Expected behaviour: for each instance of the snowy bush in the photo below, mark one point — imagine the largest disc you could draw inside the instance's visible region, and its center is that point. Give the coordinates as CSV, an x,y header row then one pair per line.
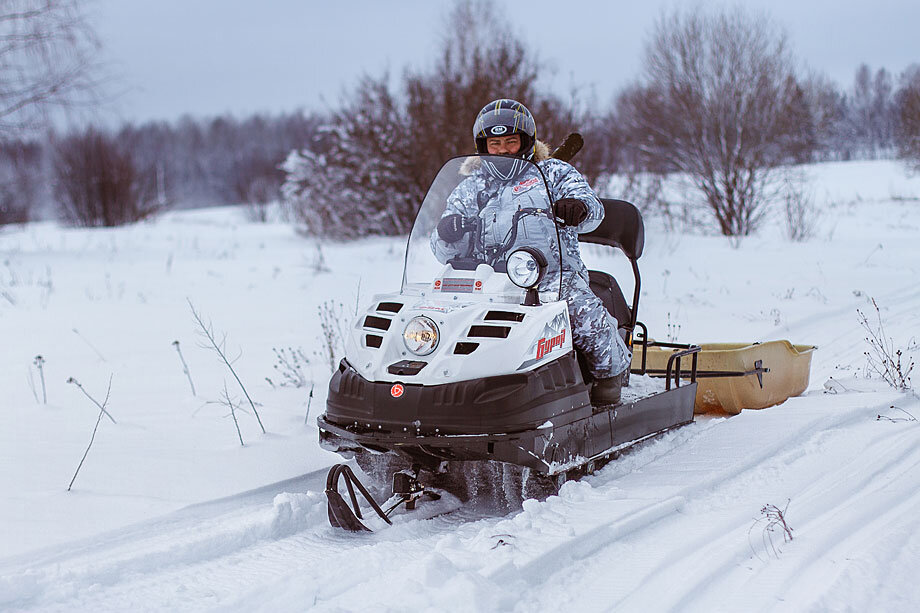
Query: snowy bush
x,y
346,198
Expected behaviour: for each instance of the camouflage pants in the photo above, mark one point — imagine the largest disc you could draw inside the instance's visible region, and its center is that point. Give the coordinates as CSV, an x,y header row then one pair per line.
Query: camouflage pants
x,y
594,331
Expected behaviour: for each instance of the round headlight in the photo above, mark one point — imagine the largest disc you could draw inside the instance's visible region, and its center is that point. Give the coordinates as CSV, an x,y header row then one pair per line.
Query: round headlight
x,y
524,269
421,335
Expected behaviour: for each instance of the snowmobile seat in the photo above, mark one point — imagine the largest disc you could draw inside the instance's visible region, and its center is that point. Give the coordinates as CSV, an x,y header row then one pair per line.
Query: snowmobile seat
x,y
623,229
608,290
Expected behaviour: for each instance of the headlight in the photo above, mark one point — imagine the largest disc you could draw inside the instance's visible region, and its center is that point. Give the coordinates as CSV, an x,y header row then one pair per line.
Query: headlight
x,y
421,335
525,267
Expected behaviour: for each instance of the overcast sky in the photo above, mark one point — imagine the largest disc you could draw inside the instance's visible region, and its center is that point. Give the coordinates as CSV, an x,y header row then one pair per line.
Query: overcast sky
x,y
207,57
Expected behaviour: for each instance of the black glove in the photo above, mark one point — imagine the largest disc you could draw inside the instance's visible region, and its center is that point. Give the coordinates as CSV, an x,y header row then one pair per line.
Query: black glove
x,y
570,211
451,228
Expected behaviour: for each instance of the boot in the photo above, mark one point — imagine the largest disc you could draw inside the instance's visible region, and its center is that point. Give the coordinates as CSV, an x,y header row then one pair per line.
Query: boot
x,y
607,391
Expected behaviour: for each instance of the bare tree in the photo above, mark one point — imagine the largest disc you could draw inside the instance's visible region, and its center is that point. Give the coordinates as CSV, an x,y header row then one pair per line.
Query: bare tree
x,y
47,61
712,104
828,108
20,180
907,101
871,114
97,182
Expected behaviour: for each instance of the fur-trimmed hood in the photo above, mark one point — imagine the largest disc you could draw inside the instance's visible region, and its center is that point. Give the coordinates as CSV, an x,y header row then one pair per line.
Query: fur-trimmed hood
x,y
472,164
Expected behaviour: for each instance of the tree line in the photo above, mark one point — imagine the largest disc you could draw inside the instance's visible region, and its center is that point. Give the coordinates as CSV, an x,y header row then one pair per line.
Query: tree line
x,y
719,101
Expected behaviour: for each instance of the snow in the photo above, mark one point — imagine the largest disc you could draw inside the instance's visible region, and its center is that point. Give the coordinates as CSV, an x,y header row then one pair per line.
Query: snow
x,y
169,511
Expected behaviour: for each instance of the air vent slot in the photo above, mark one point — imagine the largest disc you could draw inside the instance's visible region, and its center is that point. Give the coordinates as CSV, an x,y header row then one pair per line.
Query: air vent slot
x,y
381,323
465,348
390,307
489,331
504,316
372,340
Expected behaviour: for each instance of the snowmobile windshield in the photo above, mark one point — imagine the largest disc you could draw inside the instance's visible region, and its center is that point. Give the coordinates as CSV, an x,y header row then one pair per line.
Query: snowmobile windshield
x,y
473,227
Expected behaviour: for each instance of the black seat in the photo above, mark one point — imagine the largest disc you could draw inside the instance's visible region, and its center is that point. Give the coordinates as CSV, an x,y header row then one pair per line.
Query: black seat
x,y
622,228
608,290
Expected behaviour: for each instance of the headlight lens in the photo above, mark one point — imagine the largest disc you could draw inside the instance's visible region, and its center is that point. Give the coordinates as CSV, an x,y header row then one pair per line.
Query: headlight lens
x,y
523,269
421,335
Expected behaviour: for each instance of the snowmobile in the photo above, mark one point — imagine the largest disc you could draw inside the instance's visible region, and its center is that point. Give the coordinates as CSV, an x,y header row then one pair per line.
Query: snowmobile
x,y
472,360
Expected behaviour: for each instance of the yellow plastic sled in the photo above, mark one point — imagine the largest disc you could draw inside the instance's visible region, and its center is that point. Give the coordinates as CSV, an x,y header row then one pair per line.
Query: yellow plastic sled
x,y
734,376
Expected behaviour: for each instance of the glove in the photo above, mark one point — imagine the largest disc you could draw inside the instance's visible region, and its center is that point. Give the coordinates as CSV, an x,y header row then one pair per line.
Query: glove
x,y
451,228
570,211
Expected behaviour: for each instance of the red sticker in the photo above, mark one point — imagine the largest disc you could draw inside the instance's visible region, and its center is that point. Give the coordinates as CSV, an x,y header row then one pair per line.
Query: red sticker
x,y
478,284
437,284
523,186
397,390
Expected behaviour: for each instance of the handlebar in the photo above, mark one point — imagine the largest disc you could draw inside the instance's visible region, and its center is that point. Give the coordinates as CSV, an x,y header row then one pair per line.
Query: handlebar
x,y
511,237
495,254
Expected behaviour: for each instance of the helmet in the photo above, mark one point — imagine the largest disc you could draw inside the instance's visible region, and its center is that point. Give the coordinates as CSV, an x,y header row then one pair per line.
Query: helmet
x,y
504,117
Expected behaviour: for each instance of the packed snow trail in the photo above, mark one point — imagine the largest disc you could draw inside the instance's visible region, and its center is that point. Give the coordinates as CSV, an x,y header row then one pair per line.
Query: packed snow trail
x,y
669,526
197,557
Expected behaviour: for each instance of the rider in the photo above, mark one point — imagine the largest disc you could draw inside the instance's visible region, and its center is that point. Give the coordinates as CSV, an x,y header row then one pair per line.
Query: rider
x,y
505,127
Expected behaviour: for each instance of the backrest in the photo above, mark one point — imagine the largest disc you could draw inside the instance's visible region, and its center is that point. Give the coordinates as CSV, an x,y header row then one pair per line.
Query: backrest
x,y
622,227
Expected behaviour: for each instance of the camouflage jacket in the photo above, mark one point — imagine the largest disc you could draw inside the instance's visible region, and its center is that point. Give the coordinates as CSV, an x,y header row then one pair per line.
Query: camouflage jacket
x,y
481,192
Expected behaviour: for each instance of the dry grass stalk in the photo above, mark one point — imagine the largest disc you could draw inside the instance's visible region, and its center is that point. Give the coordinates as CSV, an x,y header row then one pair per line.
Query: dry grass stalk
x,y
207,331
95,428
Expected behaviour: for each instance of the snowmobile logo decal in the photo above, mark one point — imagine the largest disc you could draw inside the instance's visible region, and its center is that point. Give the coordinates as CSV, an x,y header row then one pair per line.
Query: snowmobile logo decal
x,y
523,186
498,129
553,337
397,390
545,345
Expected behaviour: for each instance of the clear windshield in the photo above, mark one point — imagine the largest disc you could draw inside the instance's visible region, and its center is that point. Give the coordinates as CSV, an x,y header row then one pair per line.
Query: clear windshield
x,y
471,221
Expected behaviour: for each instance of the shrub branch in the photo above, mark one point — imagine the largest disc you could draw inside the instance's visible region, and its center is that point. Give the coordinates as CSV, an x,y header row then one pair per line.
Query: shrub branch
x,y
774,520
227,400
207,330
883,358
95,428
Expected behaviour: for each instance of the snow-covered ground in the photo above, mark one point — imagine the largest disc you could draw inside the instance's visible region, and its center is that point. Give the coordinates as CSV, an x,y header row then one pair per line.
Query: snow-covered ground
x,y
170,512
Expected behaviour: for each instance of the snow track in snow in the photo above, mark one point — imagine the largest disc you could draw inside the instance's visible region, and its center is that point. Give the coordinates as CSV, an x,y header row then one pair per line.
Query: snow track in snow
x,y
670,525
710,554
199,557
199,534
